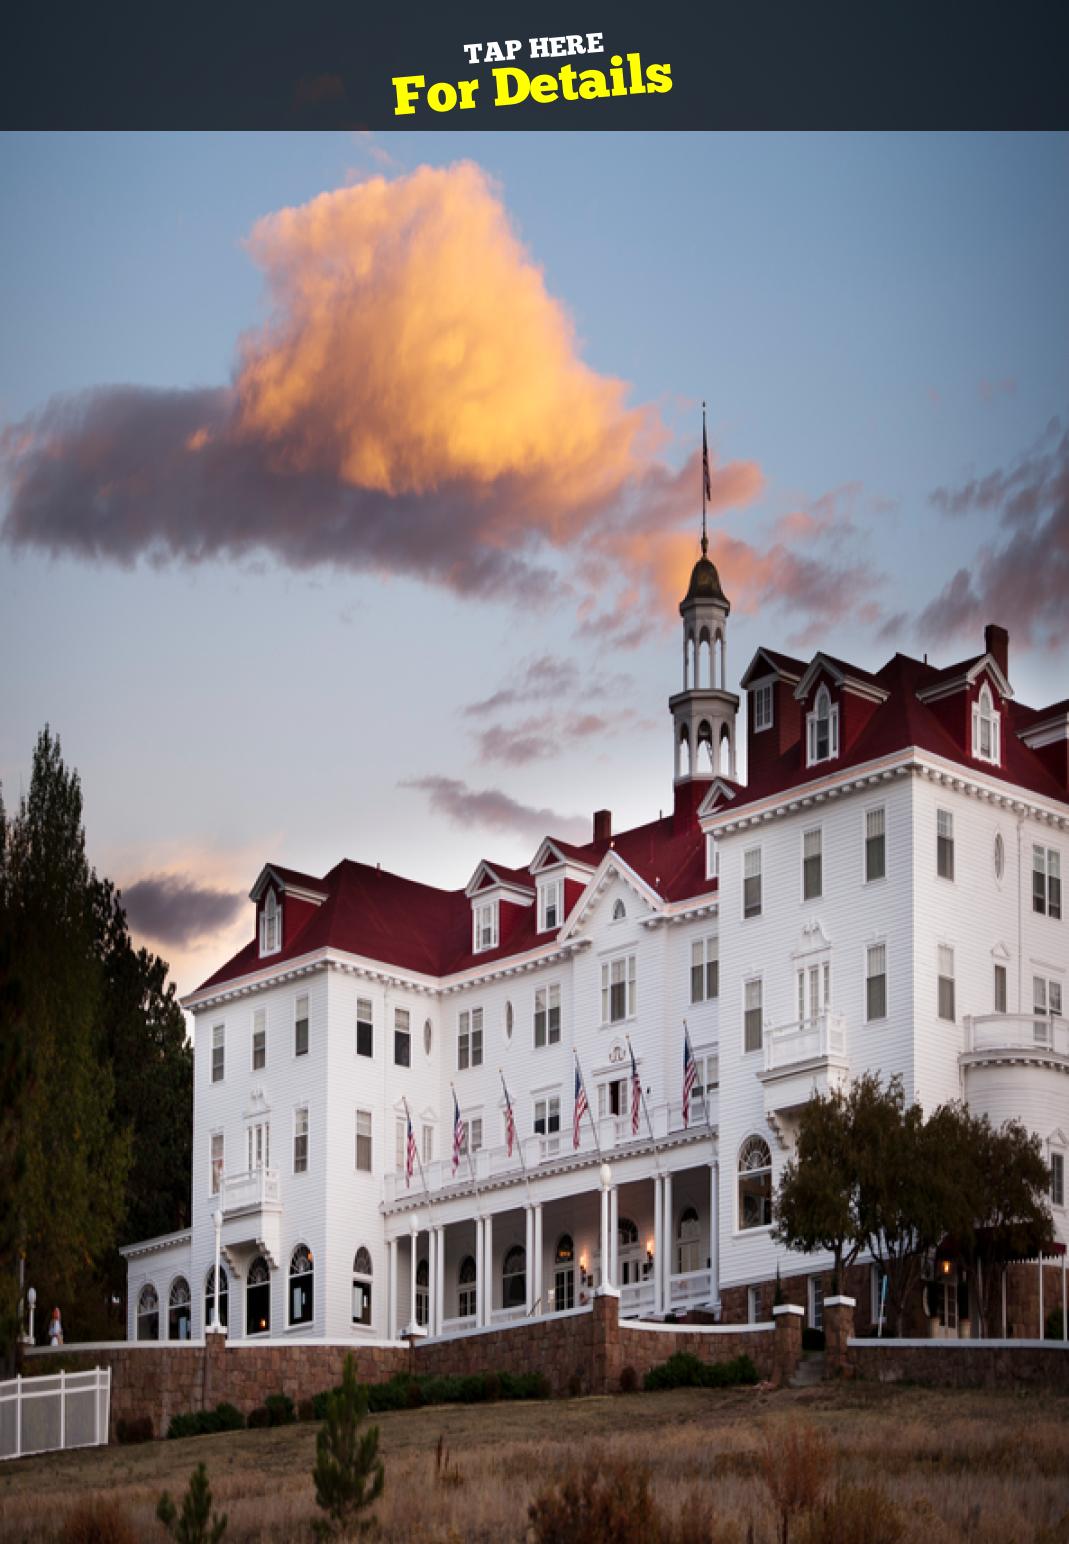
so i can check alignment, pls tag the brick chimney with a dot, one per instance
(602, 825)
(997, 644)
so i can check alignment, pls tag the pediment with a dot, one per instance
(257, 1105)
(720, 792)
(610, 870)
(812, 940)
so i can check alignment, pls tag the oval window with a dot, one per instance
(1000, 855)
(508, 1021)
(427, 1036)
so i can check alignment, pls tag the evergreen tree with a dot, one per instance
(195, 1524)
(347, 1461)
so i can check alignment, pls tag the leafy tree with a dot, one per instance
(14, 1089)
(348, 1472)
(195, 1524)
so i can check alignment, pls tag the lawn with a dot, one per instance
(990, 1468)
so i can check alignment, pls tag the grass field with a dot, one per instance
(984, 1467)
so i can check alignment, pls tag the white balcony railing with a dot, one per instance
(808, 1040)
(257, 1188)
(613, 1134)
(691, 1288)
(636, 1300)
(1016, 1032)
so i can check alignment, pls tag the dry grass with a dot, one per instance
(946, 1467)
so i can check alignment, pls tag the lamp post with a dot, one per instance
(31, 1298)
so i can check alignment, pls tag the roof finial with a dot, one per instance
(707, 492)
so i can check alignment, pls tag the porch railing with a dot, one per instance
(690, 1288)
(804, 1040)
(245, 1192)
(1016, 1031)
(60, 1410)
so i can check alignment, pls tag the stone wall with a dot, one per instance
(962, 1364)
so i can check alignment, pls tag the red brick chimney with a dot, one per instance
(602, 825)
(997, 644)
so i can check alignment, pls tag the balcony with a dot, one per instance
(252, 1212)
(493, 1166)
(804, 1057)
(1021, 1037)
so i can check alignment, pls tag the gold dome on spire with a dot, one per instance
(705, 581)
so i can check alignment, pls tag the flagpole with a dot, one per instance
(519, 1144)
(645, 1106)
(467, 1144)
(589, 1111)
(705, 1095)
(419, 1160)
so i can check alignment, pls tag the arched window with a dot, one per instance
(466, 1284)
(985, 726)
(224, 1296)
(688, 663)
(179, 1314)
(705, 677)
(302, 1286)
(718, 660)
(362, 1286)
(725, 751)
(822, 726)
(755, 1184)
(564, 1275)
(703, 750)
(627, 1232)
(514, 1278)
(683, 753)
(258, 1298)
(148, 1313)
(687, 1242)
(270, 925)
(619, 910)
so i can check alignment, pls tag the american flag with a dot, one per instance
(580, 1104)
(410, 1153)
(460, 1133)
(636, 1095)
(690, 1075)
(510, 1119)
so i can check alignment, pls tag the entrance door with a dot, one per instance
(564, 1274)
(258, 1142)
(631, 1257)
(814, 990)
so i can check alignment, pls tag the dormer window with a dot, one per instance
(822, 729)
(270, 925)
(484, 927)
(761, 698)
(550, 905)
(985, 726)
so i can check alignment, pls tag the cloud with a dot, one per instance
(1021, 578)
(535, 681)
(546, 735)
(988, 390)
(175, 909)
(495, 810)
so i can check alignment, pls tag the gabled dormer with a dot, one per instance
(722, 792)
(771, 712)
(971, 699)
(560, 878)
(835, 702)
(285, 902)
(499, 897)
(1047, 737)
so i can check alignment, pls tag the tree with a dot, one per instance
(195, 1524)
(346, 1461)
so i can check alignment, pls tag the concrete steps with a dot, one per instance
(810, 1370)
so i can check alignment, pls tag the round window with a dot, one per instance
(508, 1021)
(427, 1035)
(1000, 856)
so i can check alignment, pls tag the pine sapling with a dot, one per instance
(196, 1523)
(348, 1471)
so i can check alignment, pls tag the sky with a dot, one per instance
(349, 483)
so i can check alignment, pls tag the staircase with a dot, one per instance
(810, 1370)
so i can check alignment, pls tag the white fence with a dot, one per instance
(59, 1410)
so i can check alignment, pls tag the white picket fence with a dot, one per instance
(59, 1410)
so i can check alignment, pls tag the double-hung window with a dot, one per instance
(217, 1162)
(547, 1015)
(259, 1040)
(1047, 881)
(402, 1038)
(472, 1140)
(547, 1115)
(365, 1031)
(944, 844)
(270, 925)
(812, 864)
(1057, 1179)
(946, 982)
(752, 1015)
(751, 882)
(428, 1144)
(549, 905)
(218, 1052)
(300, 1027)
(704, 969)
(1001, 994)
(470, 1039)
(300, 1140)
(875, 982)
(985, 726)
(1046, 1005)
(484, 927)
(822, 729)
(761, 697)
(618, 989)
(363, 1141)
(875, 844)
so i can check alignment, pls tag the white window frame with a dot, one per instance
(216, 1162)
(259, 1034)
(1057, 1178)
(547, 1009)
(807, 857)
(469, 1039)
(546, 1102)
(402, 1025)
(705, 958)
(550, 900)
(217, 1067)
(944, 833)
(301, 1133)
(986, 716)
(472, 1139)
(712, 857)
(270, 925)
(401, 1142)
(944, 957)
(365, 1120)
(629, 982)
(816, 1302)
(1001, 987)
(769, 1169)
(873, 975)
(763, 706)
(427, 1142)
(362, 1281)
(1047, 866)
(304, 1018)
(750, 911)
(823, 708)
(484, 926)
(367, 1019)
(749, 1007)
(868, 836)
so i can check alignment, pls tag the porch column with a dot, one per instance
(488, 1245)
(714, 1232)
(667, 1256)
(439, 1279)
(432, 1276)
(391, 1293)
(528, 1259)
(658, 1244)
(414, 1233)
(480, 1273)
(614, 1234)
(606, 1260)
(539, 1302)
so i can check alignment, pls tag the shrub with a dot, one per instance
(685, 1370)
(138, 1428)
(604, 1502)
(280, 1410)
(403, 1392)
(99, 1521)
(203, 1423)
(348, 1471)
(628, 1380)
(196, 1523)
(855, 1514)
(261, 1416)
(812, 1340)
(796, 1466)
(306, 1411)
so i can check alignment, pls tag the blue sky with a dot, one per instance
(871, 318)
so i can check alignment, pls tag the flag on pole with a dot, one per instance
(410, 1150)
(690, 1074)
(460, 1133)
(636, 1093)
(580, 1104)
(510, 1119)
(706, 484)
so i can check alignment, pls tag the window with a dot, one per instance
(259, 1040)
(363, 1141)
(712, 857)
(470, 1038)
(755, 1184)
(814, 991)
(547, 1115)
(473, 1136)
(564, 1274)
(402, 1038)
(944, 844)
(401, 1133)
(751, 882)
(1000, 989)
(708, 1075)
(218, 1052)
(258, 1145)
(875, 844)
(618, 989)
(999, 856)
(258, 1298)
(179, 1312)
(812, 864)
(423, 1294)
(946, 982)
(619, 910)
(514, 1278)
(216, 1169)
(704, 969)
(1047, 881)
(428, 1144)
(985, 726)
(822, 729)
(875, 982)
(688, 1242)
(300, 1027)
(762, 706)
(549, 905)
(613, 1097)
(270, 925)
(878, 1286)
(300, 1140)
(365, 1028)
(148, 1313)
(1057, 1179)
(753, 1305)
(752, 1015)
(224, 1296)
(547, 1015)
(484, 927)
(816, 1302)
(467, 1278)
(302, 1286)
(362, 1286)
(1046, 1000)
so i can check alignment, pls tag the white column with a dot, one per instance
(217, 1219)
(528, 1257)
(414, 1234)
(392, 1293)
(539, 1295)
(439, 1279)
(714, 1232)
(614, 1234)
(667, 1255)
(1042, 1320)
(480, 1273)
(432, 1277)
(488, 1246)
(658, 1244)
(606, 1246)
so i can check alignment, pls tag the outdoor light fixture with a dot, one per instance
(649, 1251)
(944, 1266)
